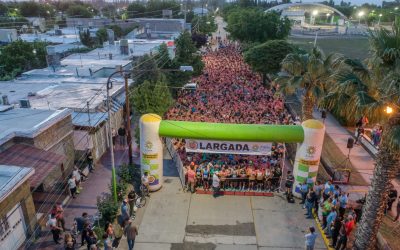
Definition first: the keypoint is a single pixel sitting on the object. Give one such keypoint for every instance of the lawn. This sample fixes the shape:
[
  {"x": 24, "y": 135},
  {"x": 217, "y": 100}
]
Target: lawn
[{"x": 356, "y": 48}]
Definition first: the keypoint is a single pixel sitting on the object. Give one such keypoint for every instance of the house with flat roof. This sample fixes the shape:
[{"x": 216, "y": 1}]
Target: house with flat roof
[{"x": 17, "y": 210}]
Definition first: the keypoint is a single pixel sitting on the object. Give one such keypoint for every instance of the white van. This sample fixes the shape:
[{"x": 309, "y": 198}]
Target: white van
[{"x": 190, "y": 86}]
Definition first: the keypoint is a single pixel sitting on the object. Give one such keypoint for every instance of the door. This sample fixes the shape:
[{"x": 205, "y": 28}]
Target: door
[{"x": 12, "y": 229}]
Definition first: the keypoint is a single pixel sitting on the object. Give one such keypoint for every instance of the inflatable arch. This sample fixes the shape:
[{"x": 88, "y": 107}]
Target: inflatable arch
[{"x": 310, "y": 136}]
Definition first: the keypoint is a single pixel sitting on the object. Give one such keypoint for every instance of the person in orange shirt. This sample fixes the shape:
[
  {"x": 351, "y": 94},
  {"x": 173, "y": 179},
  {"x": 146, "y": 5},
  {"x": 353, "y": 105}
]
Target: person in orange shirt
[{"x": 191, "y": 178}]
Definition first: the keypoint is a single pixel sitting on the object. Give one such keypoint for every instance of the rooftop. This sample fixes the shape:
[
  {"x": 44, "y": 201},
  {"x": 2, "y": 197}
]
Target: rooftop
[
  {"x": 43, "y": 162},
  {"x": 11, "y": 177},
  {"x": 27, "y": 122},
  {"x": 73, "y": 96}
]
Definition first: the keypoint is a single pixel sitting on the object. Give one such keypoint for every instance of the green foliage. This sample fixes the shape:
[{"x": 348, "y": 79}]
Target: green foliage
[
  {"x": 254, "y": 25},
  {"x": 146, "y": 69},
  {"x": 86, "y": 39},
  {"x": 186, "y": 53},
  {"x": 107, "y": 207},
  {"x": 152, "y": 97},
  {"x": 79, "y": 11},
  {"x": 118, "y": 31},
  {"x": 153, "y": 8},
  {"x": 266, "y": 58},
  {"x": 204, "y": 24},
  {"x": 20, "y": 56},
  {"x": 101, "y": 35},
  {"x": 126, "y": 173}
]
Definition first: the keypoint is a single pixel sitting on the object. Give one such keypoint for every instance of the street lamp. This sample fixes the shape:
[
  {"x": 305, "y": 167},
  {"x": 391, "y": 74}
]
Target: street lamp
[
  {"x": 360, "y": 15},
  {"x": 396, "y": 8},
  {"x": 389, "y": 110},
  {"x": 379, "y": 20}
]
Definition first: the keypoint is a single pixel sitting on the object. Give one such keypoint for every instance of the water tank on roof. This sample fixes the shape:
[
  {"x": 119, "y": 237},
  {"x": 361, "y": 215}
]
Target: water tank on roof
[
  {"x": 58, "y": 32},
  {"x": 24, "y": 103},
  {"x": 5, "y": 100},
  {"x": 124, "y": 47}
]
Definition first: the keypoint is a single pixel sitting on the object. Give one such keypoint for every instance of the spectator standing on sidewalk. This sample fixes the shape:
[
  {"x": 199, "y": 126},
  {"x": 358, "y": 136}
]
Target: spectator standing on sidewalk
[
  {"x": 122, "y": 135},
  {"x": 130, "y": 231},
  {"x": 77, "y": 176},
  {"x": 107, "y": 242},
  {"x": 310, "y": 239},
  {"x": 72, "y": 186},
  {"x": 310, "y": 201},
  {"x": 55, "y": 229},
  {"x": 304, "y": 192},
  {"x": 89, "y": 159},
  {"x": 125, "y": 214},
  {"x": 335, "y": 230},
  {"x": 80, "y": 224},
  {"x": 114, "y": 136},
  {"x": 343, "y": 200},
  {"x": 59, "y": 212}
]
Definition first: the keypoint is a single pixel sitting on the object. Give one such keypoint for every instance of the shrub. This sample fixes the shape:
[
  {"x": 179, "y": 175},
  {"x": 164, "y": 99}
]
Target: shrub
[{"x": 107, "y": 207}]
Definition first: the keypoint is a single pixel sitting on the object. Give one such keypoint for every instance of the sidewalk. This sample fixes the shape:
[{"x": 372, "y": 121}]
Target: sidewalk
[
  {"x": 360, "y": 158},
  {"x": 97, "y": 183}
]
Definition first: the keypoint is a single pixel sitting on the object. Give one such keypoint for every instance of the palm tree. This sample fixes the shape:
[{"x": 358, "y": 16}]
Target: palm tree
[
  {"x": 310, "y": 72},
  {"x": 362, "y": 91}
]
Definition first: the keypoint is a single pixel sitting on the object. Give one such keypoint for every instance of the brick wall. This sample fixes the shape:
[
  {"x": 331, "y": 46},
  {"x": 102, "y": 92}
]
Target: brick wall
[{"x": 21, "y": 195}]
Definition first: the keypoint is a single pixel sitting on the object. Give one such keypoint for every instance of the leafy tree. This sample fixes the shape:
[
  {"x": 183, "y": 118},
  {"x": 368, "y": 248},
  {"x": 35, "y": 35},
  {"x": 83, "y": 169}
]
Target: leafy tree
[
  {"x": 204, "y": 24},
  {"x": 109, "y": 11},
  {"x": 310, "y": 72},
  {"x": 362, "y": 90},
  {"x": 186, "y": 53},
  {"x": 118, "y": 31},
  {"x": 152, "y": 97},
  {"x": 86, "y": 38},
  {"x": 199, "y": 39},
  {"x": 136, "y": 10},
  {"x": 267, "y": 57},
  {"x": 175, "y": 78},
  {"x": 20, "y": 56},
  {"x": 79, "y": 11},
  {"x": 255, "y": 25},
  {"x": 101, "y": 35},
  {"x": 146, "y": 69},
  {"x": 3, "y": 9}
]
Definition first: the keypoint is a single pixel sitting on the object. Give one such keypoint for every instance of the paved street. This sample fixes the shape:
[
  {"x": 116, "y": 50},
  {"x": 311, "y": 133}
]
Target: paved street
[{"x": 177, "y": 220}]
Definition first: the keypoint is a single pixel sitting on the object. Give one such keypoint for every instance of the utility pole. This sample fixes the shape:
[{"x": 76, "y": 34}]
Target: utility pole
[
  {"x": 128, "y": 119},
  {"x": 113, "y": 174}
]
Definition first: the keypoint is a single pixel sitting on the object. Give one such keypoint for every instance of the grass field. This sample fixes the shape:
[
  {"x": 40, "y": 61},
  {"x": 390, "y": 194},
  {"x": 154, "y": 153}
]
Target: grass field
[{"x": 356, "y": 48}]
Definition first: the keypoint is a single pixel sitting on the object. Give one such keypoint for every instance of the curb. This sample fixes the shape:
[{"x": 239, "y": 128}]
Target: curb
[{"x": 326, "y": 240}]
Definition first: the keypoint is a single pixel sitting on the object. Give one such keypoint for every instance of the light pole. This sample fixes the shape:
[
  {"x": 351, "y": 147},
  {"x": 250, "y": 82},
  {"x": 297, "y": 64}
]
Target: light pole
[
  {"x": 126, "y": 74},
  {"x": 360, "y": 15},
  {"x": 379, "y": 20}
]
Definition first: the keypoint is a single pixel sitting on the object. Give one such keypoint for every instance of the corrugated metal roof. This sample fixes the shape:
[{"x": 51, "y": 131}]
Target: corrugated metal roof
[
  {"x": 88, "y": 120},
  {"x": 26, "y": 156}
]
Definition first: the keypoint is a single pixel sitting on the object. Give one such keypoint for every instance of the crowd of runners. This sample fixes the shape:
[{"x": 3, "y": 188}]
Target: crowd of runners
[{"x": 230, "y": 92}]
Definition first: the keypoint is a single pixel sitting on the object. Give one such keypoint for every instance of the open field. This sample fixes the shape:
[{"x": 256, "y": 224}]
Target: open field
[{"x": 357, "y": 48}]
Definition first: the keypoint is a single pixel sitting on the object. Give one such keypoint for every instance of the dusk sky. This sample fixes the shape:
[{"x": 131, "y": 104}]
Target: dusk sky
[{"x": 356, "y": 2}]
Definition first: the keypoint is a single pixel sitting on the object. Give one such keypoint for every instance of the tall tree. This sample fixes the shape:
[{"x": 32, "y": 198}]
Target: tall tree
[
  {"x": 152, "y": 97},
  {"x": 20, "y": 56},
  {"x": 367, "y": 91},
  {"x": 146, "y": 69},
  {"x": 266, "y": 58},
  {"x": 101, "y": 35},
  {"x": 79, "y": 11},
  {"x": 255, "y": 25},
  {"x": 186, "y": 53},
  {"x": 86, "y": 38},
  {"x": 310, "y": 72},
  {"x": 360, "y": 91}
]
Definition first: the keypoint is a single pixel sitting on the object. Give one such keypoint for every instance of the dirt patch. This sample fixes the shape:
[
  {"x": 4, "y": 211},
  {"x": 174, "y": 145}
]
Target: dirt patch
[
  {"x": 193, "y": 246},
  {"x": 240, "y": 229}
]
